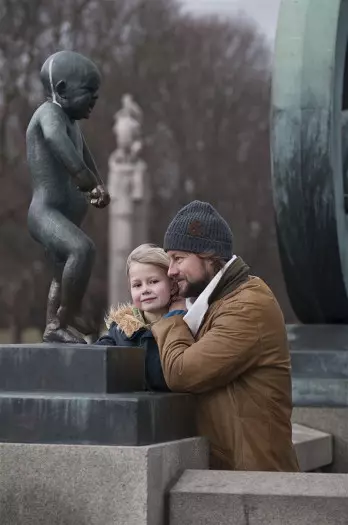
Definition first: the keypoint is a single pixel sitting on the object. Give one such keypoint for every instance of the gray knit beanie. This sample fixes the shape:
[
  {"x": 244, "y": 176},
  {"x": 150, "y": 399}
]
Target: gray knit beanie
[{"x": 199, "y": 228}]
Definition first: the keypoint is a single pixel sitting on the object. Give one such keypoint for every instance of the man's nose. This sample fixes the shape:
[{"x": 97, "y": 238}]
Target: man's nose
[{"x": 172, "y": 270}]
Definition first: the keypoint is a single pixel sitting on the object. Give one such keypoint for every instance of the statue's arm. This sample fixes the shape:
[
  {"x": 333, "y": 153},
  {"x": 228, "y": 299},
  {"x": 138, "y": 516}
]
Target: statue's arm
[
  {"x": 90, "y": 162},
  {"x": 55, "y": 134}
]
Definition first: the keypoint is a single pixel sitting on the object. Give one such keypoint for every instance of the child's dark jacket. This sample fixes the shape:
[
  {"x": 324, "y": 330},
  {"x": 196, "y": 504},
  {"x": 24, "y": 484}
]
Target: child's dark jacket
[{"x": 127, "y": 327}]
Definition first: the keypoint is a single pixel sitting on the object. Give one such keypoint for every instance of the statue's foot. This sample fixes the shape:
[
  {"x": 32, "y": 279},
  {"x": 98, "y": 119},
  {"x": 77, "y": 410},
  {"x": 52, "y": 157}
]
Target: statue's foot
[{"x": 54, "y": 334}]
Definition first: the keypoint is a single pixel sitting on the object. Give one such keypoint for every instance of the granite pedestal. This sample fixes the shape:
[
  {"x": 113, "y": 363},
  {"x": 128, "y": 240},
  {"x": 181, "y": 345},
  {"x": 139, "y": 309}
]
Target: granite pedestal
[
  {"x": 92, "y": 485},
  {"x": 319, "y": 359},
  {"x": 104, "y": 419},
  {"x": 72, "y": 394},
  {"x": 75, "y": 368},
  {"x": 319, "y": 356},
  {"x": 259, "y": 498},
  {"x": 82, "y": 443}
]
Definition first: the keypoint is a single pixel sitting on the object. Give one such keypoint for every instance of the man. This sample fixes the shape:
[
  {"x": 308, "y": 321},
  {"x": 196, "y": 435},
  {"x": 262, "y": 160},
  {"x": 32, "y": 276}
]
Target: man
[{"x": 230, "y": 349}]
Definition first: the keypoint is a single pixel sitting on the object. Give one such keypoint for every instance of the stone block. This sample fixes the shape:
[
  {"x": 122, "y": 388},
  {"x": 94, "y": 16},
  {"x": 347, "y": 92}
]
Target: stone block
[
  {"x": 313, "y": 448},
  {"x": 92, "y": 485},
  {"x": 330, "y": 420},
  {"x": 259, "y": 498},
  {"x": 115, "y": 419},
  {"x": 317, "y": 337},
  {"x": 75, "y": 368},
  {"x": 319, "y": 360}
]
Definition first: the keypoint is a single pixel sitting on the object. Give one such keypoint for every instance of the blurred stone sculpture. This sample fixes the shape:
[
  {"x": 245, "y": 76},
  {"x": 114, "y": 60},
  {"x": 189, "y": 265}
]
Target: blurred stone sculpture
[
  {"x": 127, "y": 129},
  {"x": 129, "y": 195},
  {"x": 65, "y": 180}
]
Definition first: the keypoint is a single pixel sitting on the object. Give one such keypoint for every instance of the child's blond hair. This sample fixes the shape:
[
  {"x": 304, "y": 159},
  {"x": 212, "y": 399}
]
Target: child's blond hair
[{"x": 148, "y": 254}]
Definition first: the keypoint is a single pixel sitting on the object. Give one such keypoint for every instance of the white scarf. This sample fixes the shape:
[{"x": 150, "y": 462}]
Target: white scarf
[{"x": 197, "y": 310}]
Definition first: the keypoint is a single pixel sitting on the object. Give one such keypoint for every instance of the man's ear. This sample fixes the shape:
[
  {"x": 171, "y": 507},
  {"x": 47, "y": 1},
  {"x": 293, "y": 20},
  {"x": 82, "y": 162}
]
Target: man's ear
[{"x": 61, "y": 88}]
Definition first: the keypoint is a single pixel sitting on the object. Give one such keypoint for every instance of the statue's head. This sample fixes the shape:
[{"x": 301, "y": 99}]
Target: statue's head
[{"x": 72, "y": 81}]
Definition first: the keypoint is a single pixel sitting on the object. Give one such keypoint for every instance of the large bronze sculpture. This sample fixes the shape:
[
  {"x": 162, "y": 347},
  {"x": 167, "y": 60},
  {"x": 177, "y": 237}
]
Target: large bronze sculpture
[
  {"x": 309, "y": 150},
  {"x": 65, "y": 180}
]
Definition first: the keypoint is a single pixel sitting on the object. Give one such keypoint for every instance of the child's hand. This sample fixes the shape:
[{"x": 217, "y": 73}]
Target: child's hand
[{"x": 100, "y": 197}]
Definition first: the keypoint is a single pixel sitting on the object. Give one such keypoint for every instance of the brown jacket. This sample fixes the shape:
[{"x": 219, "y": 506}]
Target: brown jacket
[{"x": 239, "y": 367}]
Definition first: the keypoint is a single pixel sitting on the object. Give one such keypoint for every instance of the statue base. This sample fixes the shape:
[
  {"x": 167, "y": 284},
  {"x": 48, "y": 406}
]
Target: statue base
[{"x": 319, "y": 357}]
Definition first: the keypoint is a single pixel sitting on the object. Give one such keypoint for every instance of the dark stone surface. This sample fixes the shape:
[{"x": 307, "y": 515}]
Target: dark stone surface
[
  {"x": 317, "y": 337},
  {"x": 71, "y": 368},
  {"x": 119, "y": 419},
  {"x": 314, "y": 392},
  {"x": 319, "y": 359}
]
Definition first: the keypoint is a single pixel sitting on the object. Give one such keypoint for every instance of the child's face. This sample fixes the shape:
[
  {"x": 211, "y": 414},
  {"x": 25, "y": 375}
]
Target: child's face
[
  {"x": 150, "y": 287},
  {"x": 81, "y": 96}
]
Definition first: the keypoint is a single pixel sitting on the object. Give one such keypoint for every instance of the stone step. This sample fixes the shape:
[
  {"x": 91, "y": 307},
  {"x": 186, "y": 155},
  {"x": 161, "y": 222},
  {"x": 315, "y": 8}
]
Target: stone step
[
  {"x": 259, "y": 498},
  {"x": 96, "y": 419},
  {"x": 71, "y": 368},
  {"x": 319, "y": 364},
  {"x": 311, "y": 392},
  {"x": 92, "y": 485},
  {"x": 318, "y": 337},
  {"x": 313, "y": 448},
  {"x": 319, "y": 360}
]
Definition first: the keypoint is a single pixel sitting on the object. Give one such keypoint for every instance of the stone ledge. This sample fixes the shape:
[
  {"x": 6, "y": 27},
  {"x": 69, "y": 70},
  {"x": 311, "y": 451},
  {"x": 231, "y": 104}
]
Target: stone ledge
[
  {"x": 260, "y": 498},
  {"x": 71, "y": 368},
  {"x": 96, "y": 419},
  {"x": 92, "y": 485},
  {"x": 313, "y": 448}
]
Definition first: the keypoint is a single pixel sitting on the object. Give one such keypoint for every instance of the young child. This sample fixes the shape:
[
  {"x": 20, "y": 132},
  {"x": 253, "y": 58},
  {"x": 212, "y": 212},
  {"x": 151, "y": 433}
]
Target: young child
[{"x": 151, "y": 291}]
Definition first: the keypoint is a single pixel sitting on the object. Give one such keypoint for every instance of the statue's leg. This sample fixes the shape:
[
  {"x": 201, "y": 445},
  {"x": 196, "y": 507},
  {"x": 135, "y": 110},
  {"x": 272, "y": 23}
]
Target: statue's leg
[
  {"x": 53, "y": 300},
  {"x": 54, "y": 332},
  {"x": 69, "y": 244}
]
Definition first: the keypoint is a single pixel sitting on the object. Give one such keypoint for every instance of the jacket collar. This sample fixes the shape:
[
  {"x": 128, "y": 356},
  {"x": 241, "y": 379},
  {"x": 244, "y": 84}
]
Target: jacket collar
[
  {"x": 128, "y": 319},
  {"x": 232, "y": 275}
]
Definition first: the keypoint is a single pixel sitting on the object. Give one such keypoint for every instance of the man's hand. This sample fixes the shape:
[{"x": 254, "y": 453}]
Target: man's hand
[{"x": 100, "y": 197}]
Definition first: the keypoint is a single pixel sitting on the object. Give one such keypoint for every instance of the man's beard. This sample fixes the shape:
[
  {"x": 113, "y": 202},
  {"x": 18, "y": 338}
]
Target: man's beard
[{"x": 195, "y": 289}]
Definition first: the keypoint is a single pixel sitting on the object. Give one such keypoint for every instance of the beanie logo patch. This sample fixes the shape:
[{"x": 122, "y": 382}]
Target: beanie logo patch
[{"x": 195, "y": 228}]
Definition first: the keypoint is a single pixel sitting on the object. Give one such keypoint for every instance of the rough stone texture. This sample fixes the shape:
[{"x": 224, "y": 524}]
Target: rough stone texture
[
  {"x": 308, "y": 338},
  {"x": 334, "y": 421},
  {"x": 83, "y": 485},
  {"x": 319, "y": 358},
  {"x": 75, "y": 368},
  {"x": 313, "y": 448},
  {"x": 259, "y": 498},
  {"x": 105, "y": 419}
]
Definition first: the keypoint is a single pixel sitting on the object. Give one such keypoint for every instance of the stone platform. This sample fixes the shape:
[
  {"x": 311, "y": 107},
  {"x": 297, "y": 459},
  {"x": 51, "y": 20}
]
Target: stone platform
[
  {"x": 259, "y": 498},
  {"x": 319, "y": 358},
  {"x": 96, "y": 419},
  {"x": 85, "y": 394},
  {"x": 71, "y": 368},
  {"x": 92, "y": 485}
]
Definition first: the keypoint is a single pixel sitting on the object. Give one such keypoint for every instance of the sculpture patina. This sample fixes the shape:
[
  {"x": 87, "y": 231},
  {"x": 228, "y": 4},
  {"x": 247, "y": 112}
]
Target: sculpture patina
[
  {"x": 65, "y": 180},
  {"x": 309, "y": 156}
]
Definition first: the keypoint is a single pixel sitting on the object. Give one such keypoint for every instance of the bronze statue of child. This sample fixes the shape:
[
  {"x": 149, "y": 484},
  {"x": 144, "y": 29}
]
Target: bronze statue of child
[{"x": 65, "y": 180}]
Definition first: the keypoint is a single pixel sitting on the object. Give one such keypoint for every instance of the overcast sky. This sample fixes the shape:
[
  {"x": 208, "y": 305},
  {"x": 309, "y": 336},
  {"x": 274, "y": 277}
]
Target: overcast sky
[{"x": 264, "y": 12}]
